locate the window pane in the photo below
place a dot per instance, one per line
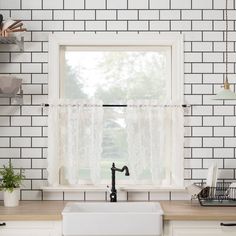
(115, 76)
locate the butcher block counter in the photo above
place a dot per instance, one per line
(173, 210)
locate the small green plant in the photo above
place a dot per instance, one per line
(10, 180)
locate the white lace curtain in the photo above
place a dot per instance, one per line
(155, 142)
(154, 135)
(75, 140)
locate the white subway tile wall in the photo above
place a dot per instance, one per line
(209, 126)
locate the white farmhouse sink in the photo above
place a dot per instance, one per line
(119, 218)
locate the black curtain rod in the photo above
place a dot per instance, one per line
(116, 105)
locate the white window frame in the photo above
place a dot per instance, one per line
(122, 40)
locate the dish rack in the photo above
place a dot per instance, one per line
(222, 195)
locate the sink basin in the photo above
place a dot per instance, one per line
(119, 218)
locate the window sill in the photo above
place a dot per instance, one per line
(103, 188)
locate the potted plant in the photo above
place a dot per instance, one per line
(10, 184)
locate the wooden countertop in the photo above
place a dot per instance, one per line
(33, 210)
(173, 210)
(187, 210)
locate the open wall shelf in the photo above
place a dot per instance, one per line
(13, 40)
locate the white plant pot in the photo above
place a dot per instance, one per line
(11, 199)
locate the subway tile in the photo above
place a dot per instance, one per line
(202, 153)
(114, 4)
(223, 110)
(181, 25)
(5, 142)
(31, 131)
(192, 163)
(95, 25)
(213, 121)
(21, 57)
(201, 25)
(4, 57)
(159, 196)
(38, 184)
(138, 25)
(207, 163)
(10, 68)
(20, 142)
(98, 4)
(32, 4)
(52, 4)
(31, 110)
(202, 131)
(32, 88)
(33, 174)
(116, 25)
(39, 163)
(33, 25)
(148, 14)
(224, 153)
(170, 14)
(74, 196)
(9, 153)
(72, 4)
(141, 4)
(74, 25)
(213, 15)
(31, 68)
(52, 25)
(138, 196)
(128, 15)
(192, 142)
(31, 195)
(201, 4)
(4, 121)
(95, 196)
(159, 25)
(21, 14)
(105, 15)
(21, 163)
(10, 131)
(224, 131)
(226, 174)
(31, 152)
(180, 4)
(39, 142)
(212, 142)
(202, 68)
(52, 196)
(41, 15)
(13, 4)
(163, 4)
(40, 57)
(63, 15)
(191, 14)
(85, 15)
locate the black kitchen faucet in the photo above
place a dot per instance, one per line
(113, 195)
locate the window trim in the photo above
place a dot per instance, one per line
(138, 40)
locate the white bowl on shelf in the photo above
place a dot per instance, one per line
(9, 85)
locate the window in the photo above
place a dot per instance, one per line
(116, 71)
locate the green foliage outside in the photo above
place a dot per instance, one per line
(10, 180)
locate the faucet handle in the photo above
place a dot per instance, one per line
(108, 189)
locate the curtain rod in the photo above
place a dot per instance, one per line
(125, 105)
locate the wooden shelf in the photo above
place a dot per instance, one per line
(13, 40)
